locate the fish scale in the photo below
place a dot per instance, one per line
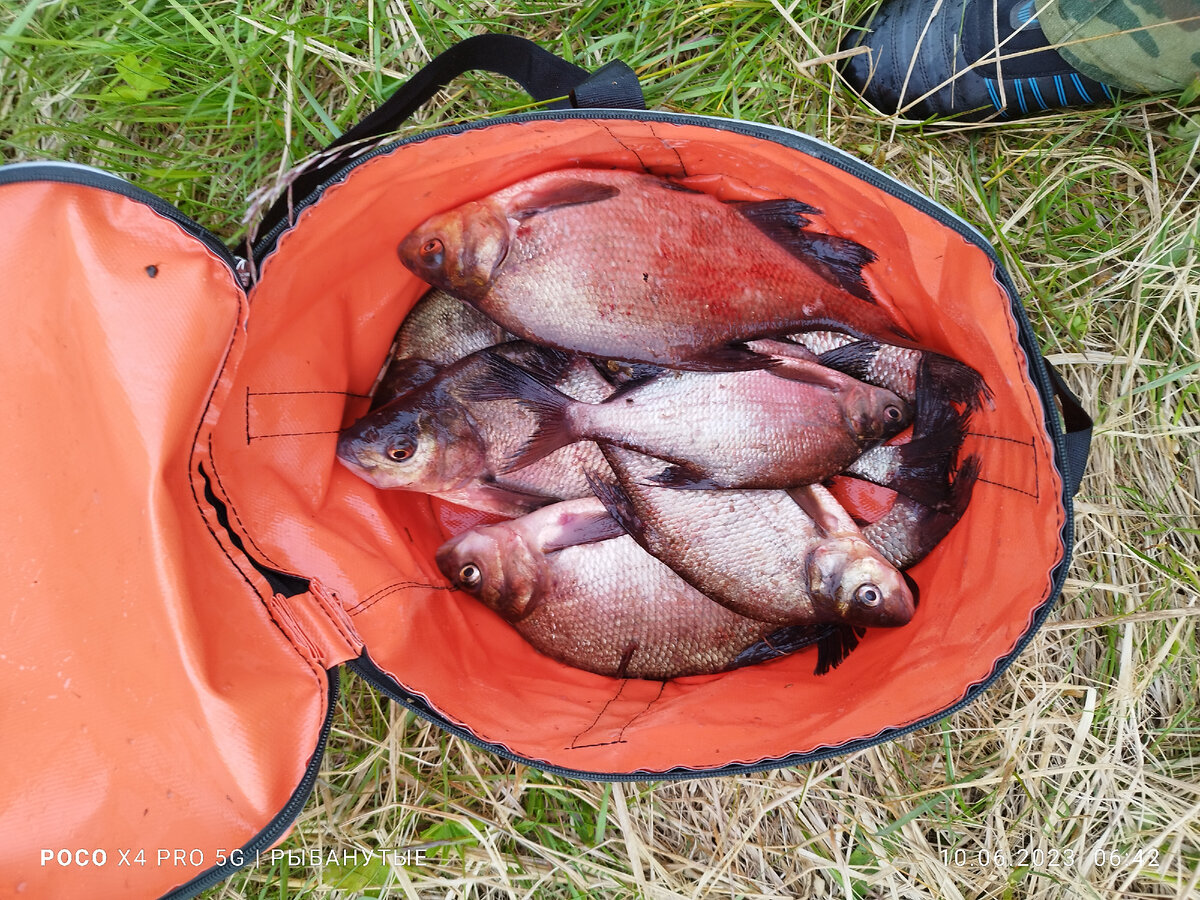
(730, 429)
(605, 605)
(437, 332)
(756, 552)
(626, 265)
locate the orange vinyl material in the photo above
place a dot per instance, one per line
(328, 301)
(150, 704)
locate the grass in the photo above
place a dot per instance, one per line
(1075, 776)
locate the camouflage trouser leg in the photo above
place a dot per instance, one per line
(1144, 46)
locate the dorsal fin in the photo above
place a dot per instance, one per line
(836, 259)
(775, 214)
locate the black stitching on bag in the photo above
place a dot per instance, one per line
(620, 739)
(613, 699)
(249, 393)
(337, 622)
(233, 511)
(627, 148)
(393, 588)
(1036, 493)
(257, 437)
(682, 168)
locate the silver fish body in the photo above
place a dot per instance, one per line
(751, 429)
(603, 605)
(627, 265)
(758, 552)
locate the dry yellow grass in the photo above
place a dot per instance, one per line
(1077, 775)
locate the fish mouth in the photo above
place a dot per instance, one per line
(896, 612)
(365, 464)
(366, 471)
(351, 452)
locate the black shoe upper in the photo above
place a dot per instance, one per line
(965, 59)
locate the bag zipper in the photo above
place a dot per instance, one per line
(249, 852)
(87, 176)
(831, 155)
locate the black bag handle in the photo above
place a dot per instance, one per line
(1077, 431)
(543, 75)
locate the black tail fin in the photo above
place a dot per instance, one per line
(939, 379)
(935, 411)
(910, 530)
(963, 486)
(953, 382)
(852, 359)
(919, 469)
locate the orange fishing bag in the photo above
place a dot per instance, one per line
(187, 567)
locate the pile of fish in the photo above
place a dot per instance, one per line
(651, 389)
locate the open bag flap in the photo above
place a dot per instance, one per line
(151, 705)
(327, 304)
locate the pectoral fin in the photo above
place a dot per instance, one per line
(563, 194)
(582, 528)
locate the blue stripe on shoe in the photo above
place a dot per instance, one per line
(991, 87)
(1037, 93)
(1021, 97)
(1079, 87)
(1062, 96)
(1107, 90)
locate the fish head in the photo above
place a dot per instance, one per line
(874, 413)
(460, 250)
(495, 565)
(852, 583)
(415, 443)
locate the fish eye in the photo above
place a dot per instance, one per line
(469, 576)
(432, 252)
(893, 413)
(868, 595)
(401, 452)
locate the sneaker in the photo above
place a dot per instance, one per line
(965, 59)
